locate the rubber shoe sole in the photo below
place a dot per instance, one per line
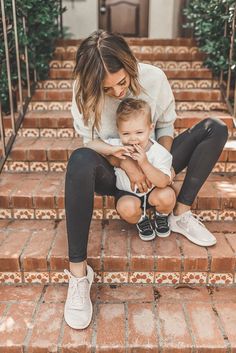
(163, 235)
(181, 231)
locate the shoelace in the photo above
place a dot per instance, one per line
(145, 224)
(162, 222)
(196, 218)
(78, 289)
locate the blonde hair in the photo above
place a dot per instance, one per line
(99, 54)
(129, 107)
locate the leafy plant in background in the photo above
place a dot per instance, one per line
(42, 31)
(207, 19)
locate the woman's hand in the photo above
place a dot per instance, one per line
(139, 155)
(135, 174)
(121, 152)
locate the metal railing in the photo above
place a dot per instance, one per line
(16, 118)
(228, 79)
(23, 93)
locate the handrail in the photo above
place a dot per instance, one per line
(7, 141)
(227, 80)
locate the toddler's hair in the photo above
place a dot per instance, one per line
(131, 106)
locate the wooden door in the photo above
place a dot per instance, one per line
(129, 18)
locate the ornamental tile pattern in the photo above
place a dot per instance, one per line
(141, 277)
(221, 278)
(194, 277)
(167, 278)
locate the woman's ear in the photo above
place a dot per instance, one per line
(152, 126)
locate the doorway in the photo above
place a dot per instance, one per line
(129, 18)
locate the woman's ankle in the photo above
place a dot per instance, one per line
(78, 269)
(180, 208)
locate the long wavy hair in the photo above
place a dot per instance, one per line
(97, 55)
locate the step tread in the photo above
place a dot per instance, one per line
(47, 148)
(145, 318)
(46, 191)
(41, 246)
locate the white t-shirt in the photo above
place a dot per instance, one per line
(157, 155)
(158, 95)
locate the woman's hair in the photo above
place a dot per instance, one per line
(129, 107)
(101, 53)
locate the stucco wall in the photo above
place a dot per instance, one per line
(81, 18)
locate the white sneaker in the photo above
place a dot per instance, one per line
(78, 308)
(190, 226)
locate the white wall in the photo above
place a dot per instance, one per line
(163, 18)
(81, 17)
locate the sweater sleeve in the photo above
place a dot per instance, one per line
(166, 115)
(84, 131)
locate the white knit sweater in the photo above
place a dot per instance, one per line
(157, 93)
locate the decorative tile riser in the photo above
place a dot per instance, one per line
(105, 214)
(181, 106)
(175, 84)
(58, 166)
(155, 49)
(149, 278)
(164, 65)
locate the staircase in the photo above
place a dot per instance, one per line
(166, 295)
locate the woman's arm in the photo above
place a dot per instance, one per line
(107, 149)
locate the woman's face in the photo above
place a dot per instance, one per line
(116, 85)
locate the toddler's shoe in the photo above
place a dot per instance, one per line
(145, 229)
(162, 228)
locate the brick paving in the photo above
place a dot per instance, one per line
(127, 318)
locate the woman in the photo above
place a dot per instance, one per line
(106, 72)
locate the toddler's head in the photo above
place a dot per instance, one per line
(134, 123)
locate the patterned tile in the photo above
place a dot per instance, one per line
(61, 214)
(58, 277)
(46, 214)
(230, 167)
(39, 166)
(10, 277)
(57, 166)
(220, 278)
(28, 132)
(97, 214)
(167, 278)
(65, 132)
(115, 277)
(141, 277)
(18, 166)
(227, 215)
(36, 277)
(22, 213)
(48, 133)
(98, 277)
(219, 167)
(194, 277)
(5, 213)
(207, 215)
(111, 214)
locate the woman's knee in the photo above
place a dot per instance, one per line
(217, 127)
(128, 207)
(82, 159)
(163, 197)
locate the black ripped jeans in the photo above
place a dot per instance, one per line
(197, 148)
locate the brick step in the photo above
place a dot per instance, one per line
(66, 73)
(37, 252)
(181, 105)
(35, 154)
(41, 196)
(137, 41)
(146, 58)
(145, 53)
(147, 319)
(65, 94)
(136, 48)
(175, 84)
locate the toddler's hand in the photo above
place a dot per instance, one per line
(121, 151)
(140, 155)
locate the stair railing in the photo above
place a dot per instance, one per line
(16, 118)
(228, 80)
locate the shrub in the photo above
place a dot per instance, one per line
(42, 30)
(207, 18)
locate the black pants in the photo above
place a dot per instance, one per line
(197, 148)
